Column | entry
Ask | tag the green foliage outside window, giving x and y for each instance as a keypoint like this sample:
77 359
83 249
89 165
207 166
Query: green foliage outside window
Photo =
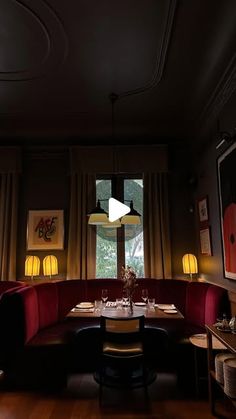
106 249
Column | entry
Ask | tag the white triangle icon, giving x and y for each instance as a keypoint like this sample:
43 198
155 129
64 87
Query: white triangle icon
117 209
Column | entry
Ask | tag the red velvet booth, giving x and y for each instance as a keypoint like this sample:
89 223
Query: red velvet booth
38 338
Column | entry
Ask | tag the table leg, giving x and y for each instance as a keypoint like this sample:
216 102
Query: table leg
196 373
210 379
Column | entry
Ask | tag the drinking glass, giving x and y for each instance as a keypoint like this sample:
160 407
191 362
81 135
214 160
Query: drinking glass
144 295
125 297
151 303
104 295
97 305
119 303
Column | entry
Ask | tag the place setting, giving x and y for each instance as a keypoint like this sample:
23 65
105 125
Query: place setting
84 306
167 308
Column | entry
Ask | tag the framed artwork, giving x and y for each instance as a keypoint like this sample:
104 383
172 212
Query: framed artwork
203 209
205 242
45 230
226 165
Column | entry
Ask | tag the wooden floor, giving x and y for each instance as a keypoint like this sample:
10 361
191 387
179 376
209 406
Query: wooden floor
80 401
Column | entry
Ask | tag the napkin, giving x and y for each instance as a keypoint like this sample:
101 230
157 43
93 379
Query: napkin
83 310
111 304
165 306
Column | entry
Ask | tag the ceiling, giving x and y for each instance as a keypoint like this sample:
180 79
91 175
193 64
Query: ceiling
171 65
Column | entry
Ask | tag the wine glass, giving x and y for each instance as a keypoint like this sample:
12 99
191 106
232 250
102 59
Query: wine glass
104 295
144 295
125 297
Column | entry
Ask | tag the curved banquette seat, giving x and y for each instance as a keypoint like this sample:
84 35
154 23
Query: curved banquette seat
33 322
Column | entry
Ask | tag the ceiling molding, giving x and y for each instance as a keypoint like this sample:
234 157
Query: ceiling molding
222 93
54 33
161 54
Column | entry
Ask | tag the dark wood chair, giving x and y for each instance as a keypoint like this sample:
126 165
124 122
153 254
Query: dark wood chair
122 358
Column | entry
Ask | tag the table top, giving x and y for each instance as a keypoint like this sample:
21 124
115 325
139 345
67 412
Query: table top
200 340
229 339
154 313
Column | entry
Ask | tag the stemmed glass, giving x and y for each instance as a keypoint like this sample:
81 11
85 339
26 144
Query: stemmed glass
104 295
144 295
125 297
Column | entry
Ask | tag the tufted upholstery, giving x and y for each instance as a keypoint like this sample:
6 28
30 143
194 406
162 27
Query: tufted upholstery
43 305
33 318
69 294
7 285
47 295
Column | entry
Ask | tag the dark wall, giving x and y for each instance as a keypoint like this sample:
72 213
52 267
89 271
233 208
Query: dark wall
211 267
44 184
182 181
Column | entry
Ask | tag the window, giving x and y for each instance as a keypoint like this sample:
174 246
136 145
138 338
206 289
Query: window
120 246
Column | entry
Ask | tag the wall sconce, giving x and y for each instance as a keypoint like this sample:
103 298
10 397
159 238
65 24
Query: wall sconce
32 266
190 264
50 265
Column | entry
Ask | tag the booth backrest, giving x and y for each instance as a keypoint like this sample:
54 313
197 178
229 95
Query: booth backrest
47 295
70 292
172 292
19 315
150 284
6 285
26 310
217 303
94 288
204 302
196 303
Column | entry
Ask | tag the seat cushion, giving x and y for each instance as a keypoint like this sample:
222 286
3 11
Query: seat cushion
122 349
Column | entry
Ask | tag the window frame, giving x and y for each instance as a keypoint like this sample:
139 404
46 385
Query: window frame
117 192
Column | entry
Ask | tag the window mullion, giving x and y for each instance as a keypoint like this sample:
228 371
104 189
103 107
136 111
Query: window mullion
118 189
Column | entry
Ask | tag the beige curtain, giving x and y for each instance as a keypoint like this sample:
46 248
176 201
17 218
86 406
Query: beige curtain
82 238
157 250
8 225
81 259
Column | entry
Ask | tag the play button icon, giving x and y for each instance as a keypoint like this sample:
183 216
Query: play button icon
117 209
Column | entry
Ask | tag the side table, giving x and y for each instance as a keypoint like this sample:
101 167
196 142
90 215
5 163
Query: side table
200 341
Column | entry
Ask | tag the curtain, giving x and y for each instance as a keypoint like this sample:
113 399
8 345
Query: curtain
157 249
86 162
81 259
8 225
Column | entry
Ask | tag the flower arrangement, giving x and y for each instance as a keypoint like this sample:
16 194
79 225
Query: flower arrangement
128 276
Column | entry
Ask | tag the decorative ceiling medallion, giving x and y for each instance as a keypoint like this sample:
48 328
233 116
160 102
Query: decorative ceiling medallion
37 56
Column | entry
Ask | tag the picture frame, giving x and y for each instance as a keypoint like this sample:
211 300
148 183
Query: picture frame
205 242
226 164
203 211
45 230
